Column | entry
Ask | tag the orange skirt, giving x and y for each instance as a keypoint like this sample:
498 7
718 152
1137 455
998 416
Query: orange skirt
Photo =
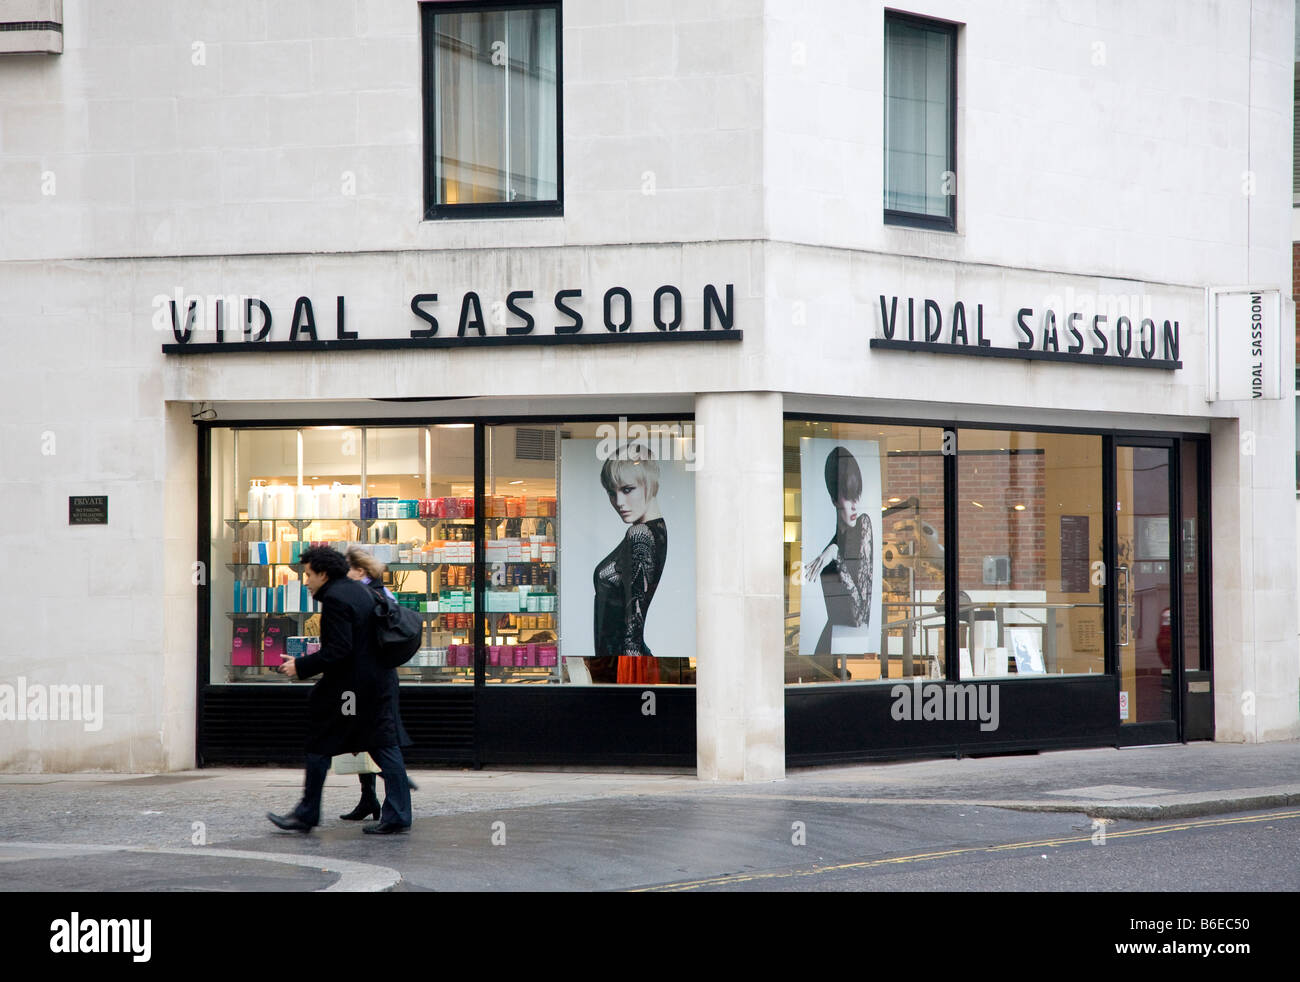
638 670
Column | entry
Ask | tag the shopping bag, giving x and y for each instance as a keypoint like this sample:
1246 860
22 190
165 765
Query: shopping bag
361 763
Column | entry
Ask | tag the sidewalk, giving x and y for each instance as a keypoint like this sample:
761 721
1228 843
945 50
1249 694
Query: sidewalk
206 829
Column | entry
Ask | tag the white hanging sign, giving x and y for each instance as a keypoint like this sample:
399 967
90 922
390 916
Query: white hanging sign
1245 344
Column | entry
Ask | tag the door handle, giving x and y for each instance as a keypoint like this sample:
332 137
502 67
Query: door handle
1125 610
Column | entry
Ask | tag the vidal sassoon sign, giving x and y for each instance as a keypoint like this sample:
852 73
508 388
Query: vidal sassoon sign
1245 344
240 323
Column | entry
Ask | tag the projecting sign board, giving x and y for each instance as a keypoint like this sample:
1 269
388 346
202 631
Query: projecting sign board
1245 344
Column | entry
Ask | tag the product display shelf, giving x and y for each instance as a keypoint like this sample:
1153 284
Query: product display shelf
235 615
430 523
416 567
298 523
236 567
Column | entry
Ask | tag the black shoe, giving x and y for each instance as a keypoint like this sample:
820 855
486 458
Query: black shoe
386 828
290 823
366 807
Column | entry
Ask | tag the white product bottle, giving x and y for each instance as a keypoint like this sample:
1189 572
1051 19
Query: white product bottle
254 500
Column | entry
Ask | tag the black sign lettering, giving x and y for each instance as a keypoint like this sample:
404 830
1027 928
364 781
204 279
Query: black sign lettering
471 303
513 306
424 315
562 307
303 320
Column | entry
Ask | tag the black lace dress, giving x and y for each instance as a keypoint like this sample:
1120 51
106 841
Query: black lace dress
846 581
625 583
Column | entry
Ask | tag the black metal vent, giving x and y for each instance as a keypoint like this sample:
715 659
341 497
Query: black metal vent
31 25
534 443
247 724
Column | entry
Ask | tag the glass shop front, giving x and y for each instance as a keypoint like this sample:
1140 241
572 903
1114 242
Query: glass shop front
1050 586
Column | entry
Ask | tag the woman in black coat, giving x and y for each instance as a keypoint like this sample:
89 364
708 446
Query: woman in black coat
365 568
354 706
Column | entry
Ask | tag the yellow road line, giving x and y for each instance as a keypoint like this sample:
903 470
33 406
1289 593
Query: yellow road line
924 856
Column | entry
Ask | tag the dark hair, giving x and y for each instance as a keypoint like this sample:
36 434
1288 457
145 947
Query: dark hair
843 476
325 560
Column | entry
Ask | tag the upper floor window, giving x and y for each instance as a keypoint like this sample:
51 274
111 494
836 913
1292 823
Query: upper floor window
492 110
920 122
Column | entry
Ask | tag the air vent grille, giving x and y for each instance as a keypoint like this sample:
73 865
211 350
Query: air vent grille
534 443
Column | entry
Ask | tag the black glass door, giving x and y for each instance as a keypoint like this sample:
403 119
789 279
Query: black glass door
1146 591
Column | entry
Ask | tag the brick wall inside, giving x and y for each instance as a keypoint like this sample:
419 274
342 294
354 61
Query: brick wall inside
998 482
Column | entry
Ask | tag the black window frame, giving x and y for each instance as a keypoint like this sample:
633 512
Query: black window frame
433 210
908 219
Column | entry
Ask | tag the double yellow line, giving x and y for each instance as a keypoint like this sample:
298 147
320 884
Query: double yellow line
919 857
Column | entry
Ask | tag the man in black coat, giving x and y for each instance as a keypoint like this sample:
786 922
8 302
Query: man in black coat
354 705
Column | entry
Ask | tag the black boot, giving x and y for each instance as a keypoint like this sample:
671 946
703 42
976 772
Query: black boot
368 806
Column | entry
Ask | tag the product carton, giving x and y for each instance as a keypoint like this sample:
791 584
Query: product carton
299 645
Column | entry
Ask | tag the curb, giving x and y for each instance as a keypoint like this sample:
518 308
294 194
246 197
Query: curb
354 877
1142 811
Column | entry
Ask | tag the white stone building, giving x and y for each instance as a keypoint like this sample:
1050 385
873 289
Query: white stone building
1051 494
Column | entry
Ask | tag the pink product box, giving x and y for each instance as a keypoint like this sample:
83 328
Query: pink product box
461 655
274 639
496 655
241 651
528 653
547 654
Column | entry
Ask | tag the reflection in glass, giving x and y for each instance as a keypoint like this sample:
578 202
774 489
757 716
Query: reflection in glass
1144 583
1030 521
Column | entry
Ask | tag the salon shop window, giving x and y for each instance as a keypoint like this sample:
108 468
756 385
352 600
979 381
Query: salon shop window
1030 534
590 550
492 109
864 552
402 495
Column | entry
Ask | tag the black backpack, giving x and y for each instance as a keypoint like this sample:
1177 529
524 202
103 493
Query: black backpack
398 632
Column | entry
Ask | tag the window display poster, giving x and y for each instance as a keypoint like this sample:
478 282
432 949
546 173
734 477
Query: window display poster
627 553
841 532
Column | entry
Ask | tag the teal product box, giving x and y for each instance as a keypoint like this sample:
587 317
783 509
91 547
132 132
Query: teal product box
298 646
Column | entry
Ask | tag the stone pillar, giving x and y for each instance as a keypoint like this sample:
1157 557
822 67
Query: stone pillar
176 682
1253 576
740 708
